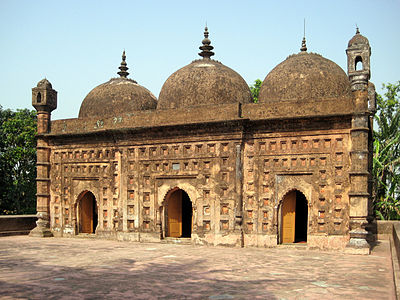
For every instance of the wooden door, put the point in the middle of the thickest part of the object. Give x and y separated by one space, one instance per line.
289 218
175 214
87 214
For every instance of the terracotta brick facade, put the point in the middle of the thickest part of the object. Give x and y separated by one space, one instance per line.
236 162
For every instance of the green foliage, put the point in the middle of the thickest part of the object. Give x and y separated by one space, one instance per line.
386 160
255 90
17 161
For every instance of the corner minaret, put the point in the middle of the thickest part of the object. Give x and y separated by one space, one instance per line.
358 65
44 100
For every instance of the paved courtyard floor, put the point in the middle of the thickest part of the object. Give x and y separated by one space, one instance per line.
77 268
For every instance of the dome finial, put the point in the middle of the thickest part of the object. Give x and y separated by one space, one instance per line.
123 73
303 45
206 52
303 42
357 30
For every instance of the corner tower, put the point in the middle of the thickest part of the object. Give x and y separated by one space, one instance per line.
44 100
358 64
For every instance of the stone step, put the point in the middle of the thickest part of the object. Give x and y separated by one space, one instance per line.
172 240
86 236
300 246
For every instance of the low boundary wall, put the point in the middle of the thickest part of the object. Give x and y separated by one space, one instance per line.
17 224
390 230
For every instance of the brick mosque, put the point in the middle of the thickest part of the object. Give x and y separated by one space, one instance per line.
206 165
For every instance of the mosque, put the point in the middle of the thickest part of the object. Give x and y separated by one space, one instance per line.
204 164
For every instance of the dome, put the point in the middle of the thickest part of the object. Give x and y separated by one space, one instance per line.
358 39
203 82
305 76
117 97
44 84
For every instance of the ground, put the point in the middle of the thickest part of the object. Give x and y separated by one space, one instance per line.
85 268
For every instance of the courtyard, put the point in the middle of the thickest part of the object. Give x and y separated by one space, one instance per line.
88 268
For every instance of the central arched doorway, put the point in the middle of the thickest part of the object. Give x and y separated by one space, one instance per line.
294 218
178 214
88 217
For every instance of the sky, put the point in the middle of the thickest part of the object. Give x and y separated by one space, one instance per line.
77 45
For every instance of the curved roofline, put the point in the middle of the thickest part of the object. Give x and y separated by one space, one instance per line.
306 76
181 89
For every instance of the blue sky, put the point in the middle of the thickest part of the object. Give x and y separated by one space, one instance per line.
77 45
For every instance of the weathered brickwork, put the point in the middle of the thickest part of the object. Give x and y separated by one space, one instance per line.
276 165
288 169
126 181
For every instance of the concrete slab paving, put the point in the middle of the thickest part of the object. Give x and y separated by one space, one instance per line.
84 268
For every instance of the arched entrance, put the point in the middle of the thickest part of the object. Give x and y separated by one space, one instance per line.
178 214
294 218
87 213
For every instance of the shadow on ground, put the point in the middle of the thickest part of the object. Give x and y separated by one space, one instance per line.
125 280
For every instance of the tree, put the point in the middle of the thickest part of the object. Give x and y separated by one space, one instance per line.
386 159
255 90
17 161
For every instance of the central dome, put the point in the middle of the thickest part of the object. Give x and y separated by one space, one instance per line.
305 76
203 82
117 97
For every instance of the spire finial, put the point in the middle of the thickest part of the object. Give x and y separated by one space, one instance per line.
303 42
206 52
357 30
123 73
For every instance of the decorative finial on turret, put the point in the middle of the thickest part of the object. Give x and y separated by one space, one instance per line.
303 42
206 52
357 30
123 73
